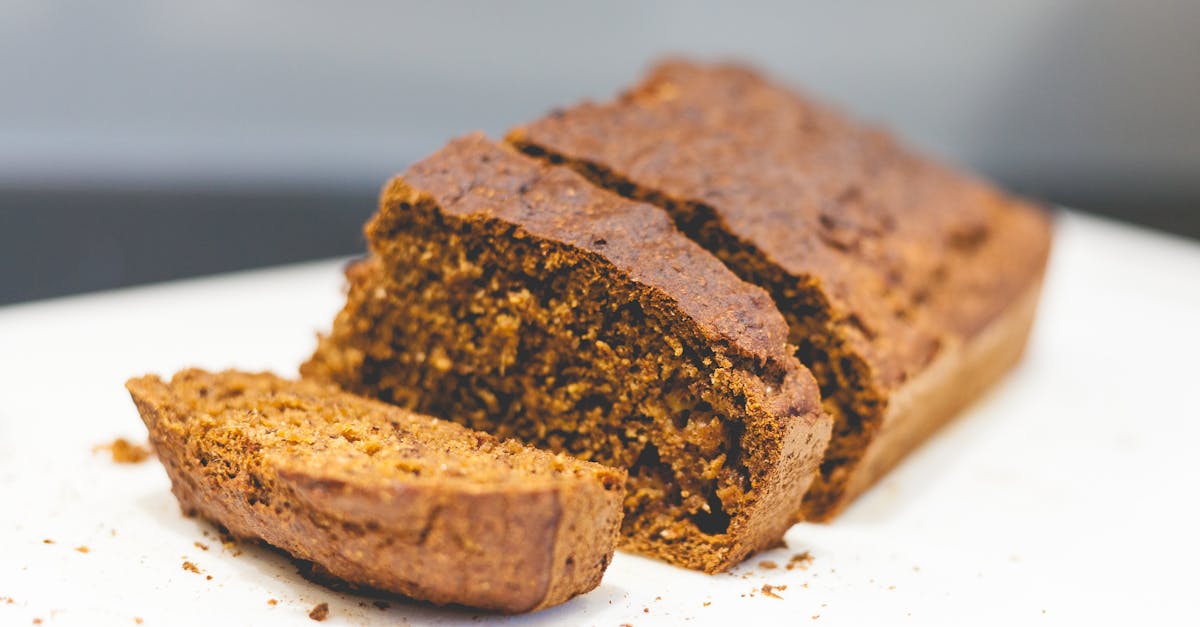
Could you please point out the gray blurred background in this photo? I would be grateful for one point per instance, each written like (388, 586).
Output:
(141, 141)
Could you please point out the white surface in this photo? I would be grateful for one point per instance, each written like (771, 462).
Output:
(1066, 495)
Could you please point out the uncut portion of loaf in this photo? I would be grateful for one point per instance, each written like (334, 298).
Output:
(382, 497)
(522, 300)
(908, 287)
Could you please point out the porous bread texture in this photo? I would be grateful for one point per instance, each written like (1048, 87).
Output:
(521, 300)
(379, 496)
(883, 263)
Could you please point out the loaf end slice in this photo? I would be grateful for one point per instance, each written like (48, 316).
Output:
(382, 497)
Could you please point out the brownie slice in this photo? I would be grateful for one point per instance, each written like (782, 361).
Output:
(908, 287)
(520, 299)
(382, 497)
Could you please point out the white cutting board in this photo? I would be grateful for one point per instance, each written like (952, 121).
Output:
(1067, 495)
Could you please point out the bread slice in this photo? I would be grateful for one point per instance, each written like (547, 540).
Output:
(522, 300)
(908, 288)
(382, 497)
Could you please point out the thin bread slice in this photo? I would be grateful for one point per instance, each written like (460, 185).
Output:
(521, 299)
(382, 497)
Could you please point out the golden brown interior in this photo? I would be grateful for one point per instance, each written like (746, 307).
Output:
(474, 319)
(848, 393)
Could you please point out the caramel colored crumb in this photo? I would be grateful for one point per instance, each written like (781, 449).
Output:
(83, 548)
(272, 601)
(800, 560)
(320, 612)
(200, 545)
(137, 619)
(707, 603)
(47, 541)
(768, 564)
(124, 452)
(37, 621)
(769, 590)
(191, 568)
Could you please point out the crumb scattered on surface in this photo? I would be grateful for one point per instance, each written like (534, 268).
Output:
(657, 598)
(816, 616)
(320, 612)
(37, 621)
(208, 577)
(229, 543)
(707, 603)
(891, 587)
(83, 548)
(124, 452)
(190, 567)
(200, 545)
(47, 541)
(137, 619)
(646, 610)
(272, 601)
(768, 564)
(769, 590)
(800, 560)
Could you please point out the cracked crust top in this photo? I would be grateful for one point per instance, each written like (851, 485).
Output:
(910, 254)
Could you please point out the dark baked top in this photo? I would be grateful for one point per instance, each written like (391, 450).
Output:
(911, 254)
(475, 176)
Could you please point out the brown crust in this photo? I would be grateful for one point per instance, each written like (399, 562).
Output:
(901, 257)
(958, 376)
(477, 182)
(511, 546)
(473, 177)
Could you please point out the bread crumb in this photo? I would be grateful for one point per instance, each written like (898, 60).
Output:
(37, 621)
(320, 612)
(190, 567)
(707, 603)
(82, 548)
(769, 590)
(646, 610)
(272, 601)
(137, 619)
(768, 564)
(47, 541)
(208, 577)
(816, 616)
(200, 545)
(124, 452)
(800, 560)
